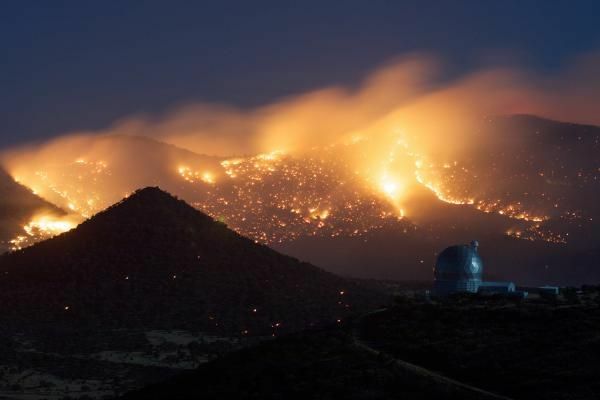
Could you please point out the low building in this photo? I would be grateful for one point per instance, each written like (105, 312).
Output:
(497, 287)
(551, 290)
(543, 290)
(459, 269)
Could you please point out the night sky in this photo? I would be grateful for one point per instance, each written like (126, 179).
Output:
(73, 65)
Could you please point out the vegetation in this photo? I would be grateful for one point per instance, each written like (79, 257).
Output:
(322, 364)
(534, 349)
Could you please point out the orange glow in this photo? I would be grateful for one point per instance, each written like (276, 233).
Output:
(48, 225)
(389, 187)
(193, 176)
(43, 227)
(335, 161)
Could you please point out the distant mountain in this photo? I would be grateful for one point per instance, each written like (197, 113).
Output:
(88, 174)
(153, 261)
(18, 205)
(271, 197)
(528, 185)
(526, 167)
(525, 187)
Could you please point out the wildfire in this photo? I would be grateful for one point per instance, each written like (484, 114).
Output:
(389, 187)
(536, 233)
(514, 211)
(254, 168)
(42, 227)
(192, 176)
(445, 192)
(277, 197)
(356, 152)
(336, 190)
(436, 187)
(71, 185)
(48, 225)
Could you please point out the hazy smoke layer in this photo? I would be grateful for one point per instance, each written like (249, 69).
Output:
(401, 114)
(404, 95)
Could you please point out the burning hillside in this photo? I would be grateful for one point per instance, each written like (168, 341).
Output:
(326, 191)
(272, 198)
(25, 218)
(346, 162)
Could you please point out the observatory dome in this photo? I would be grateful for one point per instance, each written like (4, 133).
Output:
(458, 269)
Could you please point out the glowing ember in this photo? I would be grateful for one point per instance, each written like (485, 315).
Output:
(192, 176)
(48, 225)
(41, 228)
(390, 188)
(535, 233)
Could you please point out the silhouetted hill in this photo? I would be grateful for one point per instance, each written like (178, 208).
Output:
(309, 365)
(542, 349)
(153, 261)
(488, 347)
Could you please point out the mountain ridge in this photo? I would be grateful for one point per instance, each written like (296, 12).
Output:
(151, 260)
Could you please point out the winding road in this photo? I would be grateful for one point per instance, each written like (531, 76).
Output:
(455, 388)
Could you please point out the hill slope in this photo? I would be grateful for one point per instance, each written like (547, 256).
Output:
(526, 184)
(545, 349)
(153, 261)
(308, 365)
(18, 205)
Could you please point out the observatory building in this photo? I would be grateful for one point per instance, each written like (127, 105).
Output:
(459, 269)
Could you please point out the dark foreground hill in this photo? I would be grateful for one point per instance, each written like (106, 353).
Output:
(152, 261)
(524, 350)
(309, 365)
(463, 348)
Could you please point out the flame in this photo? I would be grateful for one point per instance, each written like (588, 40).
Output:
(355, 155)
(192, 176)
(48, 225)
(277, 196)
(42, 227)
(389, 187)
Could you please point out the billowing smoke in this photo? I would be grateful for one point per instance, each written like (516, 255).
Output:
(406, 95)
(402, 116)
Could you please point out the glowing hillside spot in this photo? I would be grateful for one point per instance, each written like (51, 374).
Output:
(390, 188)
(48, 226)
(208, 177)
(42, 227)
(192, 176)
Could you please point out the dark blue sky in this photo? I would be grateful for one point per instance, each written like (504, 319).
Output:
(68, 65)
